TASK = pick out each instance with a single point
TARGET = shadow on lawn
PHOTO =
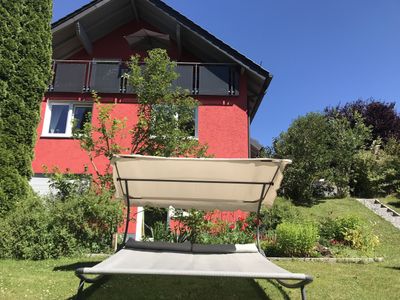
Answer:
(175, 287)
(73, 267)
(393, 268)
(394, 204)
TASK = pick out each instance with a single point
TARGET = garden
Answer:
(338, 154)
(378, 280)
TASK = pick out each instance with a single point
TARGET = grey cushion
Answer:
(160, 246)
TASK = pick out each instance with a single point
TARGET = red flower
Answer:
(232, 226)
(244, 226)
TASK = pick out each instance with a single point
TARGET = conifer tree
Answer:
(25, 69)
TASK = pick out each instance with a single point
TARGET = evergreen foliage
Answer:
(25, 58)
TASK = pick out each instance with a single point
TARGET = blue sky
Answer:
(321, 53)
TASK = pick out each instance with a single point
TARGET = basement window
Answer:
(60, 117)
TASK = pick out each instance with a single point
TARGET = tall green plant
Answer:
(165, 114)
(25, 58)
(164, 124)
(102, 138)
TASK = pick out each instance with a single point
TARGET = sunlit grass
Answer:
(392, 202)
(54, 279)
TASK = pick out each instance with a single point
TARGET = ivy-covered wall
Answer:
(25, 68)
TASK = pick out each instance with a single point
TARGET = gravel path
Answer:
(382, 210)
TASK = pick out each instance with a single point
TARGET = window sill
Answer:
(57, 137)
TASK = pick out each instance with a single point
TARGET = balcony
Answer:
(104, 76)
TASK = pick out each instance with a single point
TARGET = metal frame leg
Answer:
(80, 290)
(303, 293)
(83, 278)
(301, 284)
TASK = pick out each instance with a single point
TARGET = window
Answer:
(168, 114)
(60, 117)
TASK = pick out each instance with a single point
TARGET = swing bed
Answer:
(198, 183)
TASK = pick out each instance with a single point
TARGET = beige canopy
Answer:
(200, 183)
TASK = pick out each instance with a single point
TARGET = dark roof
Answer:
(243, 60)
(75, 13)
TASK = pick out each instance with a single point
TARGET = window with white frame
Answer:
(167, 114)
(61, 116)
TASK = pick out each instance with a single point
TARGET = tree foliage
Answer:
(322, 148)
(25, 57)
(376, 171)
(165, 121)
(102, 139)
(165, 118)
(380, 116)
(165, 124)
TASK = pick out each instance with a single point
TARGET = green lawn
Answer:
(54, 279)
(392, 202)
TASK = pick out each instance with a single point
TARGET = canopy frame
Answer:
(265, 187)
(264, 191)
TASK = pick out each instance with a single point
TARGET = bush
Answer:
(28, 232)
(349, 231)
(335, 229)
(91, 218)
(377, 171)
(361, 239)
(293, 239)
(203, 228)
(42, 228)
(222, 232)
(281, 211)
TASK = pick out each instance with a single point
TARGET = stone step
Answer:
(382, 210)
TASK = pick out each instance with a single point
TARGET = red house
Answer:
(90, 50)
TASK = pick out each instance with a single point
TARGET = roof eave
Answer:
(260, 97)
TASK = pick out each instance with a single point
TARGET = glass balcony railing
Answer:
(106, 76)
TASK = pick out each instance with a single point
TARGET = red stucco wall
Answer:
(222, 120)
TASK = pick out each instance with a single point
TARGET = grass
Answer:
(54, 279)
(392, 202)
(349, 281)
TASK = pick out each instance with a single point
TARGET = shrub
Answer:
(91, 218)
(361, 239)
(28, 232)
(349, 231)
(335, 229)
(202, 228)
(377, 171)
(293, 239)
(42, 228)
(281, 211)
(222, 232)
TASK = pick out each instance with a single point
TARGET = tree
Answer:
(165, 124)
(381, 116)
(25, 59)
(321, 148)
(165, 116)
